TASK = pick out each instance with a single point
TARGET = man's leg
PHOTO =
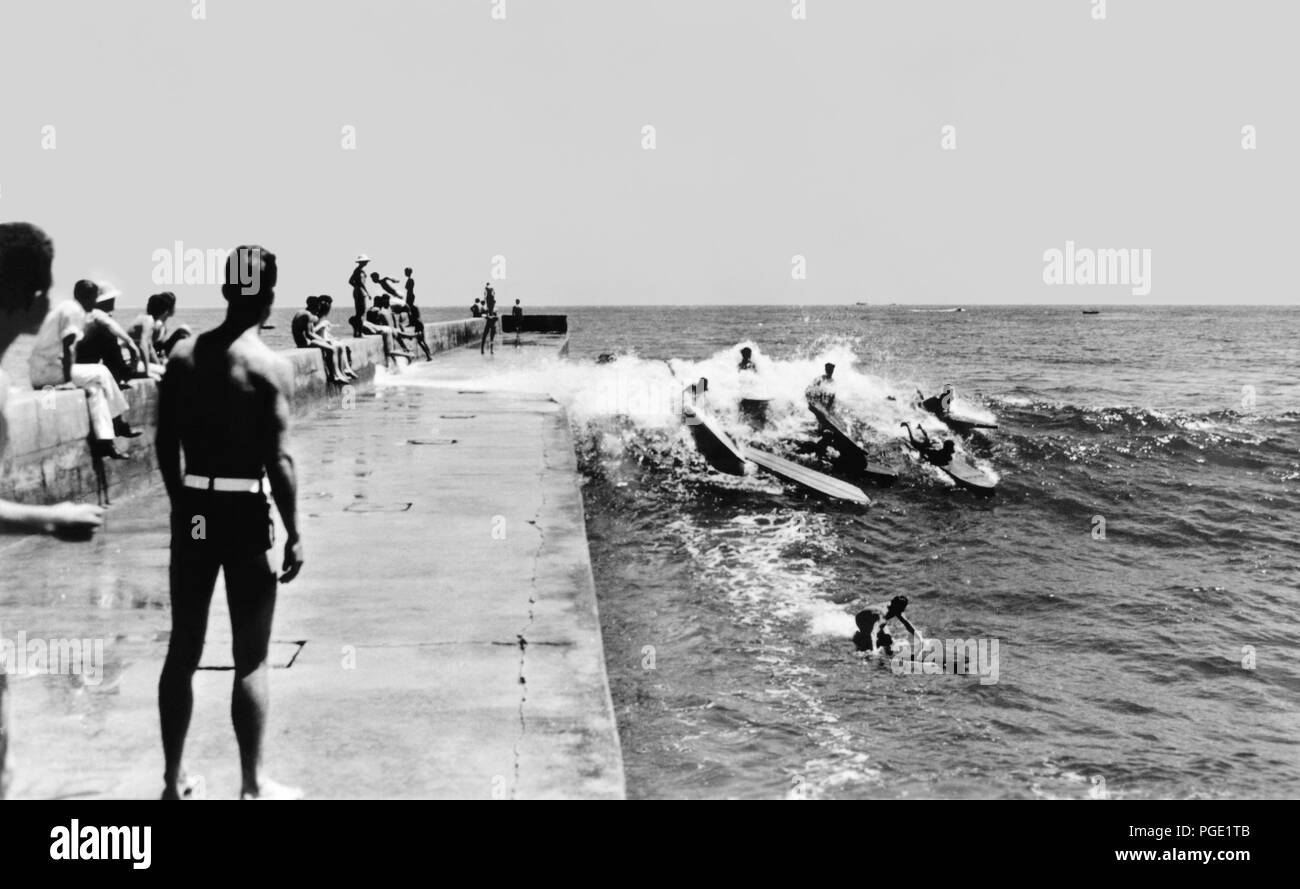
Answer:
(106, 400)
(327, 356)
(193, 576)
(341, 361)
(359, 303)
(250, 592)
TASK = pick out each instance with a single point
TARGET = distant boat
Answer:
(1092, 311)
(859, 304)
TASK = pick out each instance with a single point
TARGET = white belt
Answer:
(229, 485)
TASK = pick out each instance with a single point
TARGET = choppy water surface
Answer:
(1120, 660)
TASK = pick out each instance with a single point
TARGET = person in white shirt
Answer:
(51, 364)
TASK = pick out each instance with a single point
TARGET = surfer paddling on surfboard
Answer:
(873, 635)
(934, 454)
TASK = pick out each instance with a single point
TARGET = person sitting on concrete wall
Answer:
(103, 341)
(380, 320)
(324, 303)
(149, 330)
(26, 260)
(51, 364)
(303, 327)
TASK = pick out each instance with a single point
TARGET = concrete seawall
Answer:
(442, 641)
(44, 448)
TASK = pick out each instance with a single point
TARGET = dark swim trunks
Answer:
(221, 523)
(230, 533)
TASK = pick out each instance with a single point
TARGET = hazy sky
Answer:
(775, 137)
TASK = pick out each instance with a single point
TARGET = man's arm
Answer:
(116, 330)
(68, 342)
(907, 623)
(167, 442)
(279, 466)
(145, 343)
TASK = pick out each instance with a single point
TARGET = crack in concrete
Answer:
(532, 600)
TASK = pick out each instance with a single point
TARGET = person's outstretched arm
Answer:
(71, 517)
(167, 441)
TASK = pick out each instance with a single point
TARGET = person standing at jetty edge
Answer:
(518, 314)
(360, 296)
(224, 402)
(51, 364)
(489, 298)
(26, 258)
(410, 288)
(489, 340)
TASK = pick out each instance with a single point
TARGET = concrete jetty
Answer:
(442, 641)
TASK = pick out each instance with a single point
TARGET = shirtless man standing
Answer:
(224, 403)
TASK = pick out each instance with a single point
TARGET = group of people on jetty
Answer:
(222, 444)
(222, 447)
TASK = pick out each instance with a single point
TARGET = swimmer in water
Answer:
(873, 634)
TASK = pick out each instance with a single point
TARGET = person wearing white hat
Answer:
(105, 342)
(360, 296)
(52, 364)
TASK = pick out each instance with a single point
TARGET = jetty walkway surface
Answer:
(442, 640)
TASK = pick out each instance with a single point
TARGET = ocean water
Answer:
(1160, 661)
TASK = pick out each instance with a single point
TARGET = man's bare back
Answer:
(230, 402)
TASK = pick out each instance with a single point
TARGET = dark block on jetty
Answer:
(535, 323)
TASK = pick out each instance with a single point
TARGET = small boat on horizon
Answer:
(1092, 311)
